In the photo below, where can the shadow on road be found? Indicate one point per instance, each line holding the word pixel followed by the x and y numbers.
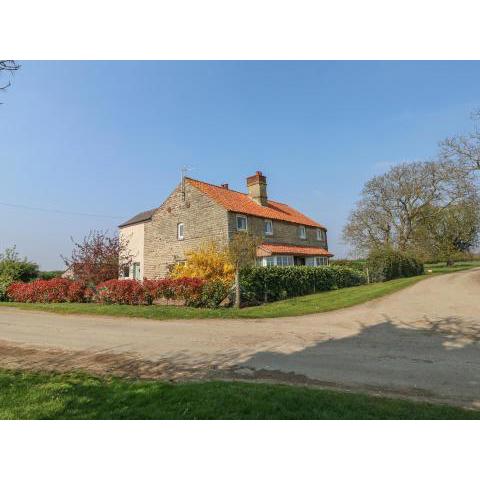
pixel 435 358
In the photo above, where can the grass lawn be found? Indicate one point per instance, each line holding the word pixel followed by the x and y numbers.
pixel 78 396
pixel 316 303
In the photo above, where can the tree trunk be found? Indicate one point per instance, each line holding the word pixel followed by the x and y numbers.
pixel 450 262
pixel 237 288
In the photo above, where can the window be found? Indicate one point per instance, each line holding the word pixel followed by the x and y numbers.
pixel 242 223
pixel 284 260
pixel 269 261
pixel 136 271
pixel 310 262
pixel 278 261
pixel 321 236
pixel 180 231
pixel 321 261
pixel 126 271
pixel 268 227
pixel 302 232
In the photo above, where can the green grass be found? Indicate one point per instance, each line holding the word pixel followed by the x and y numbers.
pixel 79 396
pixel 316 303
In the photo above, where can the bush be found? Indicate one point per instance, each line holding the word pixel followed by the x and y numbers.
pixel 123 292
pixel 387 264
pixel 267 284
pixel 355 264
pixel 57 290
pixel 214 293
pixel 5 282
pixel 20 270
pixel 348 276
pixel 134 292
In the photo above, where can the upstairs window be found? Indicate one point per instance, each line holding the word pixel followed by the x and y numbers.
pixel 319 235
pixel 180 231
pixel 268 227
pixel 302 232
pixel 241 223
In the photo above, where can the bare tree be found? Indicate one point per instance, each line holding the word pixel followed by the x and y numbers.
pixel 464 149
pixel 8 67
pixel 242 251
pixel 449 234
pixel 396 205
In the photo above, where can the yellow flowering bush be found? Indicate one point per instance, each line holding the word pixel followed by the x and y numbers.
pixel 209 262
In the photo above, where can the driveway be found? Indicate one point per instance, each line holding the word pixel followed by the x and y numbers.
pixel 421 342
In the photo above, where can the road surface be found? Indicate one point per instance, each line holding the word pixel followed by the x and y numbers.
pixel 421 342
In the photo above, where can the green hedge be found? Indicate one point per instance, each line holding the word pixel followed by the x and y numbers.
pixel 268 284
pixel 388 264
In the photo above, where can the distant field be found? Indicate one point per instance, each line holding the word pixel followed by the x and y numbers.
pixel 457 267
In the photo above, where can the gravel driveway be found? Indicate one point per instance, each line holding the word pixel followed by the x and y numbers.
pixel 420 342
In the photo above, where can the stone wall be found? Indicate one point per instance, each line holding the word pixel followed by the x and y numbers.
pixel 283 232
pixel 203 220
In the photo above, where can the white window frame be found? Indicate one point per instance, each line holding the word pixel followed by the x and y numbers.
pixel 180 236
pixel 265 229
pixel 136 265
pixel 246 223
pixel 302 232
pixel 278 261
pixel 319 235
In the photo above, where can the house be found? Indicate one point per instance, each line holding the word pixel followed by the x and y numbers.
pixel 197 211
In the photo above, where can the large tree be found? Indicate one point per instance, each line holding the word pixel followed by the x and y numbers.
pixel 395 206
pixel 464 149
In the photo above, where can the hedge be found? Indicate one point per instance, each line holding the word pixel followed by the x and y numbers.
pixel 268 284
pixel 388 264
pixel 193 291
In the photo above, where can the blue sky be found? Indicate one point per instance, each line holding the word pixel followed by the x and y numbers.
pixel 110 138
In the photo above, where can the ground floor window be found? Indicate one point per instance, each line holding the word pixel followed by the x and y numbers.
pixel 136 271
pixel 321 261
pixel 277 260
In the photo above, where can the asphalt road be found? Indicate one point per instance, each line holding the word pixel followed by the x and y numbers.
pixel 420 342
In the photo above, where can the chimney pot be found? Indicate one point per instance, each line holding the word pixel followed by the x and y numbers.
pixel 257 188
pixel 225 186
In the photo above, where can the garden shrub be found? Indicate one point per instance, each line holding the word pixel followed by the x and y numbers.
pixel 57 290
pixel 5 281
pixel 123 292
pixel 214 293
pixel 267 284
pixel 387 264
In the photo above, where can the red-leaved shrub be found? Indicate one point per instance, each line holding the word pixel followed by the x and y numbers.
pixel 126 292
pixel 56 290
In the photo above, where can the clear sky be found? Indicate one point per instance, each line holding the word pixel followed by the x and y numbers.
pixel 110 138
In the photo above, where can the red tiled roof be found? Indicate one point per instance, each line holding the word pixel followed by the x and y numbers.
pixel 242 203
pixel 267 249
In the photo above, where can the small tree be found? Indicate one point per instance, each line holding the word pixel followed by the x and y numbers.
pixel 98 258
pixel 242 252
pixel 18 269
pixel 14 269
pixel 209 262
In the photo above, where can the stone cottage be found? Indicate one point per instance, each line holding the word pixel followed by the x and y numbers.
pixel 197 211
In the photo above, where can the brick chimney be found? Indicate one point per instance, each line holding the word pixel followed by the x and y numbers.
pixel 257 188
